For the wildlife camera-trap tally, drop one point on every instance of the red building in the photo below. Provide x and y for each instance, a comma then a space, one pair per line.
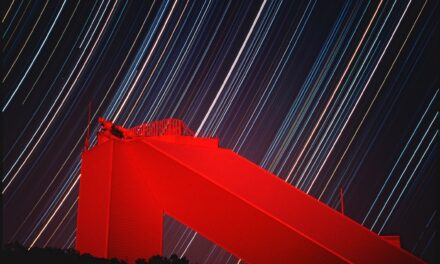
134, 176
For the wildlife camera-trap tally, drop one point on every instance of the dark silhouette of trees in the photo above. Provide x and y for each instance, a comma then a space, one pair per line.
16, 253
174, 259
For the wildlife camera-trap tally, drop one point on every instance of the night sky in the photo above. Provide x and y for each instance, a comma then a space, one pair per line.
323, 94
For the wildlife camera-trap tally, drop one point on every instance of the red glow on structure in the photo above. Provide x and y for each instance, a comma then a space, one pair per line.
134, 176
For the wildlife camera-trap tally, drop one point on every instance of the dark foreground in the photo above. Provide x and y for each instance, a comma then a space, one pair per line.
16, 253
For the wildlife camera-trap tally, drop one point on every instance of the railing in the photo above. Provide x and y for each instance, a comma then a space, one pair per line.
169, 126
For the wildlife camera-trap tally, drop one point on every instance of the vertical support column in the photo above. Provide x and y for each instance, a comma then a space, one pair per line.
94, 200
136, 217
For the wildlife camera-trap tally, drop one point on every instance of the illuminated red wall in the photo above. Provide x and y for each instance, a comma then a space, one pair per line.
127, 185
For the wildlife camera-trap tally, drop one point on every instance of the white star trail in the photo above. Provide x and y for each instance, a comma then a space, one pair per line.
219, 92
404, 170
400, 156
33, 60
333, 94
408, 181
57, 111
7, 11
25, 42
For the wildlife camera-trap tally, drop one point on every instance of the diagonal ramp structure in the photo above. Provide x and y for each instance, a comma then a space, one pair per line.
132, 177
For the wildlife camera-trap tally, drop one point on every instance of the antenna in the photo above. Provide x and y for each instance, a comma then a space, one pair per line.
87, 142
341, 197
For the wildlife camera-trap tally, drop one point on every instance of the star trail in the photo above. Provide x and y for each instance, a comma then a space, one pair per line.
324, 94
